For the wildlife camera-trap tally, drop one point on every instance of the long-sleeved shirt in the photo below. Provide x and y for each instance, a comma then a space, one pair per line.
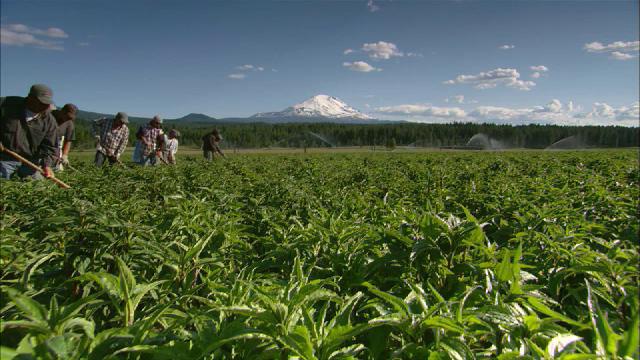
151, 138
112, 141
210, 143
33, 137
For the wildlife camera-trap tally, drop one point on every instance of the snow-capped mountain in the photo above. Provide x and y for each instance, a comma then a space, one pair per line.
319, 106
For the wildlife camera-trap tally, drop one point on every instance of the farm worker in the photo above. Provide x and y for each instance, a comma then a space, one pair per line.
150, 141
210, 144
111, 137
172, 146
66, 133
28, 129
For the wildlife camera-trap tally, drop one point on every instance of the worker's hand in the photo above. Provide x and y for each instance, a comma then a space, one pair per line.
65, 160
97, 139
47, 172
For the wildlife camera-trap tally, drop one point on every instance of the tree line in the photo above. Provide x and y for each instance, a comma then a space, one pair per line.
261, 135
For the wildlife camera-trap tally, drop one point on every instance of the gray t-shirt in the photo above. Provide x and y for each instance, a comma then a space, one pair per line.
68, 130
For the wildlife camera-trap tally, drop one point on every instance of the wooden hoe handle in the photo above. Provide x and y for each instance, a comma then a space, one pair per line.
33, 166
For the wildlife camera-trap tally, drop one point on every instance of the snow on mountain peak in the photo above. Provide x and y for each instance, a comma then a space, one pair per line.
318, 106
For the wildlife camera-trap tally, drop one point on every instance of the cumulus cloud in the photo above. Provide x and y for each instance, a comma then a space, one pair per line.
348, 51
360, 66
627, 115
554, 112
52, 32
493, 78
506, 47
237, 76
372, 7
458, 99
538, 71
539, 68
621, 56
23, 35
618, 50
423, 110
249, 67
382, 50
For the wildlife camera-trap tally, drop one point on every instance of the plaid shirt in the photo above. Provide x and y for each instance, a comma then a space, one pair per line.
150, 135
112, 141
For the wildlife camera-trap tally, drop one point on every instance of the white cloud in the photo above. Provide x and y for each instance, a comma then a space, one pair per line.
539, 68
249, 67
237, 76
348, 51
52, 32
23, 35
625, 115
423, 110
621, 56
493, 78
360, 66
84, 43
618, 50
538, 71
458, 99
372, 7
506, 47
554, 112
623, 46
382, 50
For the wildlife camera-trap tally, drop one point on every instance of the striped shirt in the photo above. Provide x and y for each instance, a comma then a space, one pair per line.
112, 141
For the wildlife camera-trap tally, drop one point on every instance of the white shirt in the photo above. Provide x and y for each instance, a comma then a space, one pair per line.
29, 115
172, 146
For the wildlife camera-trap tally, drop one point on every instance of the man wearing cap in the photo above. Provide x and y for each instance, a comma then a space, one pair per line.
111, 137
28, 128
150, 142
66, 133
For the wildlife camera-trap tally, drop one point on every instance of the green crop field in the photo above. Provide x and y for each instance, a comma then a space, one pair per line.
443, 255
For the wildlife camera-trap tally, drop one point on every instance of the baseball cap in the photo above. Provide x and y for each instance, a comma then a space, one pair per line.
157, 118
123, 117
42, 92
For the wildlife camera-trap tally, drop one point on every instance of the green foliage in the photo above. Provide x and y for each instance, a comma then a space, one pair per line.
301, 135
448, 255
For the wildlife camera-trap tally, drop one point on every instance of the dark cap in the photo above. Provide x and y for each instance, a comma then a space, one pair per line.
122, 117
42, 92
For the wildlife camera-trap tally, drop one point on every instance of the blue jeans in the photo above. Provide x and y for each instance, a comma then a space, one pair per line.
8, 167
100, 158
148, 160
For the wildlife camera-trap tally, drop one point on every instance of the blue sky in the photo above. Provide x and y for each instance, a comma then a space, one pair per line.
439, 61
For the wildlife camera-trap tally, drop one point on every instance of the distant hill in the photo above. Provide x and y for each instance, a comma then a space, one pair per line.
189, 118
89, 115
194, 117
